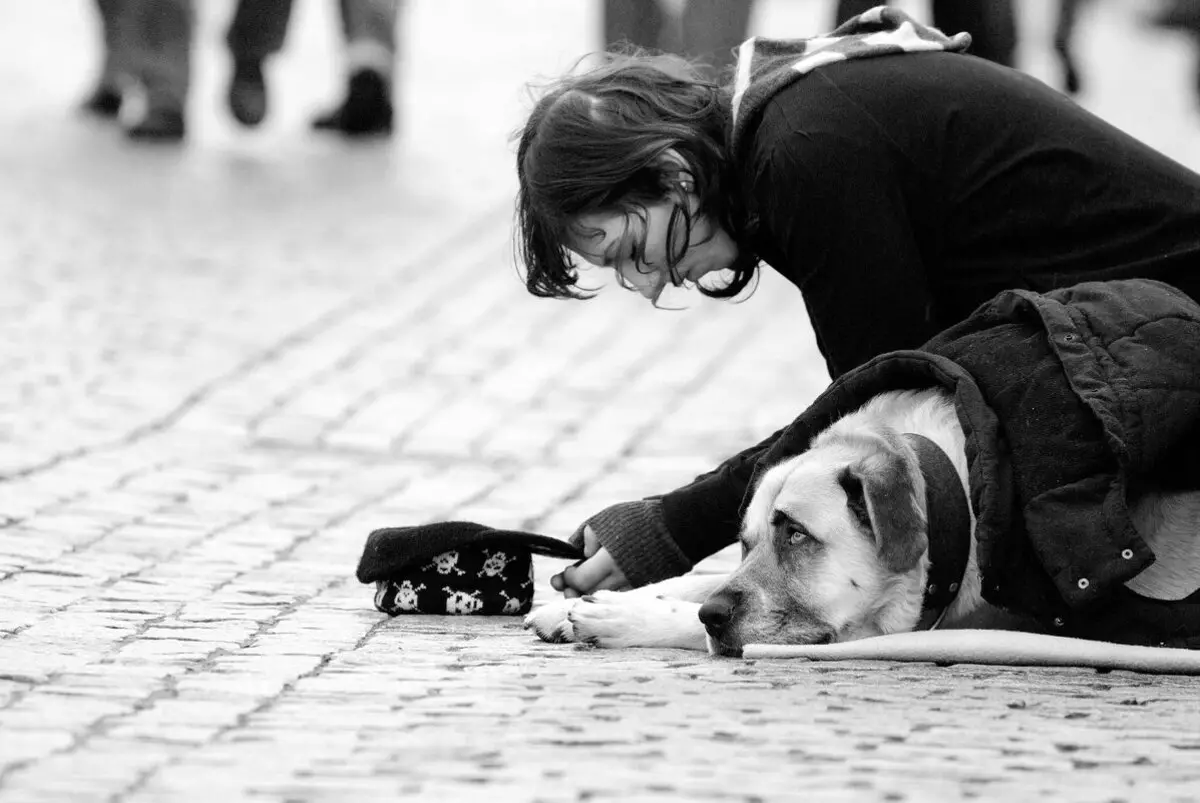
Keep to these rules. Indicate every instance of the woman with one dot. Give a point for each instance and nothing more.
(896, 181)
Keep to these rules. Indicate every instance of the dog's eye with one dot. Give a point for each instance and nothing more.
(796, 535)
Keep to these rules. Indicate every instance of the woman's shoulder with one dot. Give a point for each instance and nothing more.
(916, 104)
(844, 99)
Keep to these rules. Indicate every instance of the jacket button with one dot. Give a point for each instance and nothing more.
(1070, 338)
(953, 588)
(1058, 621)
(1083, 583)
(932, 588)
(1127, 553)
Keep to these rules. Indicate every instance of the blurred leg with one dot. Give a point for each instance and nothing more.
(258, 30)
(159, 33)
(1178, 14)
(105, 98)
(1183, 15)
(852, 8)
(639, 22)
(712, 30)
(110, 22)
(991, 23)
(370, 31)
(1064, 35)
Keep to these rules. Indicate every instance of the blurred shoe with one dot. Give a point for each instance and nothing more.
(248, 93)
(159, 125)
(105, 101)
(1182, 15)
(366, 111)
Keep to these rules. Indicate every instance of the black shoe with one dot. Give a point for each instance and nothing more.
(248, 93)
(105, 101)
(366, 111)
(159, 125)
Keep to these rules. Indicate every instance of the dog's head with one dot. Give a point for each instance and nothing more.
(833, 547)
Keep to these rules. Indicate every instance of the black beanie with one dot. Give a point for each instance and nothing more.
(455, 567)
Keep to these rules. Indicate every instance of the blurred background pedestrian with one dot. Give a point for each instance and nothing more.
(705, 30)
(1182, 15)
(147, 54)
(147, 49)
(369, 32)
(710, 30)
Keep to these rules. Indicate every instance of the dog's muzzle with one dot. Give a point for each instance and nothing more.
(716, 614)
(720, 612)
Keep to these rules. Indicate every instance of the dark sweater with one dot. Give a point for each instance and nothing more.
(901, 192)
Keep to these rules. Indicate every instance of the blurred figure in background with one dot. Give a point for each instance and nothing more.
(258, 31)
(1182, 15)
(1064, 35)
(147, 43)
(147, 46)
(993, 28)
(991, 23)
(707, 31)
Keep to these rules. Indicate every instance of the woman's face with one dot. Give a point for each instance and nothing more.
(636, 247)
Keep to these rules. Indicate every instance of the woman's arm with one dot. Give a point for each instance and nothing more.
(649, 540)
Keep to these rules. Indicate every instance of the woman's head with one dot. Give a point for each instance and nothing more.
(625, 166)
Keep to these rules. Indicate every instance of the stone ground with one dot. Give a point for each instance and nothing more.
(226, 363)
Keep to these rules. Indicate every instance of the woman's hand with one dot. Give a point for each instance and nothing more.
(598, 572)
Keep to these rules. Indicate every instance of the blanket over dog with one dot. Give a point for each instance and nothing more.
(1068, 400)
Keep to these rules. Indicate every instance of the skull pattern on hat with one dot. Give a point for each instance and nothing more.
(473, 579)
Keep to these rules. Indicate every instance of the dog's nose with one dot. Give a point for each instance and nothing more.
(716, 613)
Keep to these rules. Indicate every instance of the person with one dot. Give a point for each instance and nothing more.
(1181, 15)
(258, 31)
(147, 42)
(895, 180)
(707, 31)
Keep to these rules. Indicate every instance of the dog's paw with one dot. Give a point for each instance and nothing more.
(551, 621)
(614, 620)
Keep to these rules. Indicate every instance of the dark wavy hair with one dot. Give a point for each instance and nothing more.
(596, 142)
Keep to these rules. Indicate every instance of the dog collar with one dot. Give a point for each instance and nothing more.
(948, 527)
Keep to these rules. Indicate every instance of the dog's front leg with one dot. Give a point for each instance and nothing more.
(659, 615)
(612, 619)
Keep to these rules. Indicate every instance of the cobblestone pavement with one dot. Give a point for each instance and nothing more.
(225, 364)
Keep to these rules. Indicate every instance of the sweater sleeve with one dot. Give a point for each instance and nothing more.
(660, 537)
(636, 536)
(703, 516)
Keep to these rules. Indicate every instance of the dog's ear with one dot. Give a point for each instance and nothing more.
(882, 494)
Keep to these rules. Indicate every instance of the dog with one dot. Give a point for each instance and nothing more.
(836, 547)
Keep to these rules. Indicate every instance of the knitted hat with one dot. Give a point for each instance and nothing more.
(455, 567)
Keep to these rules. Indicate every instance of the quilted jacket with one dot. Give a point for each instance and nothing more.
(1068, 400)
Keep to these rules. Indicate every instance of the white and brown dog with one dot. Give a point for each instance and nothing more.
(835, 548)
